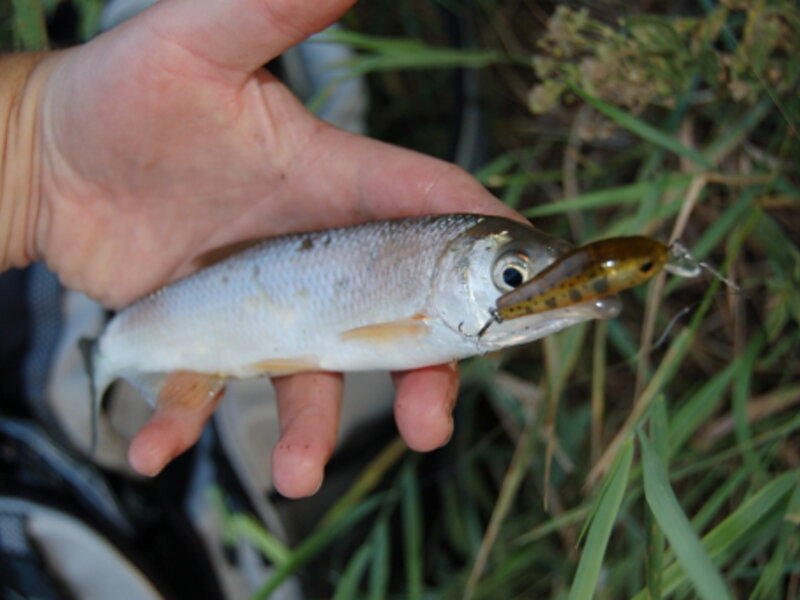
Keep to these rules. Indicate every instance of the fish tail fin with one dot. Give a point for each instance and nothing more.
(97, 386)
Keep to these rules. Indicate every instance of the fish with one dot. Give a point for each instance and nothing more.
(385, 295)
(592, 272)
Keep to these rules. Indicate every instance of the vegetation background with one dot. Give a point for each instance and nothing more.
(652, 456)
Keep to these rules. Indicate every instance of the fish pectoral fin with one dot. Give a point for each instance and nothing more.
(389, 331)
(181, 389)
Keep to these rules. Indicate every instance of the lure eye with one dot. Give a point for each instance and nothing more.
(644, 268)
(511, 271)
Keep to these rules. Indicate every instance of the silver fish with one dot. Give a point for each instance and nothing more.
(393, 295)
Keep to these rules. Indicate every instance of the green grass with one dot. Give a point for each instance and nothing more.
(600, 524)
(593, 465)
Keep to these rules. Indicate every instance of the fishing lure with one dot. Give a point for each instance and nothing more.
(593, 272)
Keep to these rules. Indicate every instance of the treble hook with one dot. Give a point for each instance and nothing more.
(494, 318)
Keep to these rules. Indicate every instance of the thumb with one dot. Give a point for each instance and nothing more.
(241, 35)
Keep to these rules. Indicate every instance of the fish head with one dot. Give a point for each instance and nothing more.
(488, 260)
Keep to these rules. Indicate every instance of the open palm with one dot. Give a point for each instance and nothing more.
(163, 139)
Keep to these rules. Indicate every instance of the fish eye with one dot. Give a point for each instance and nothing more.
(644, 268)
(513, 276)
(511, 271)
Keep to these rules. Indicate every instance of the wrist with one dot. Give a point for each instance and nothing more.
(21, 85)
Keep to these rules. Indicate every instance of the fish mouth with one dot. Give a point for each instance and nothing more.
(511, 332)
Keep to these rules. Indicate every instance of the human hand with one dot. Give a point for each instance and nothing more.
(163, 139)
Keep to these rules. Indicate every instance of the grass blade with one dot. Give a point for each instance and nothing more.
(659, 430)
(624, 194)
(412, 532)
(370, 477)
(666, 369)
(741, 393)
(29, 25)
(517, 470)
(239, 524)
(675, 525)
(314, 544)
(379, 573)
(382, 53)
(644, 130)
(89, 12)
(348, 584)
(733, 135)
(736, 528)
(267, 543)
(755, 508)
(718, 496)
(701, 405)
(767, 584)
(602, 522)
